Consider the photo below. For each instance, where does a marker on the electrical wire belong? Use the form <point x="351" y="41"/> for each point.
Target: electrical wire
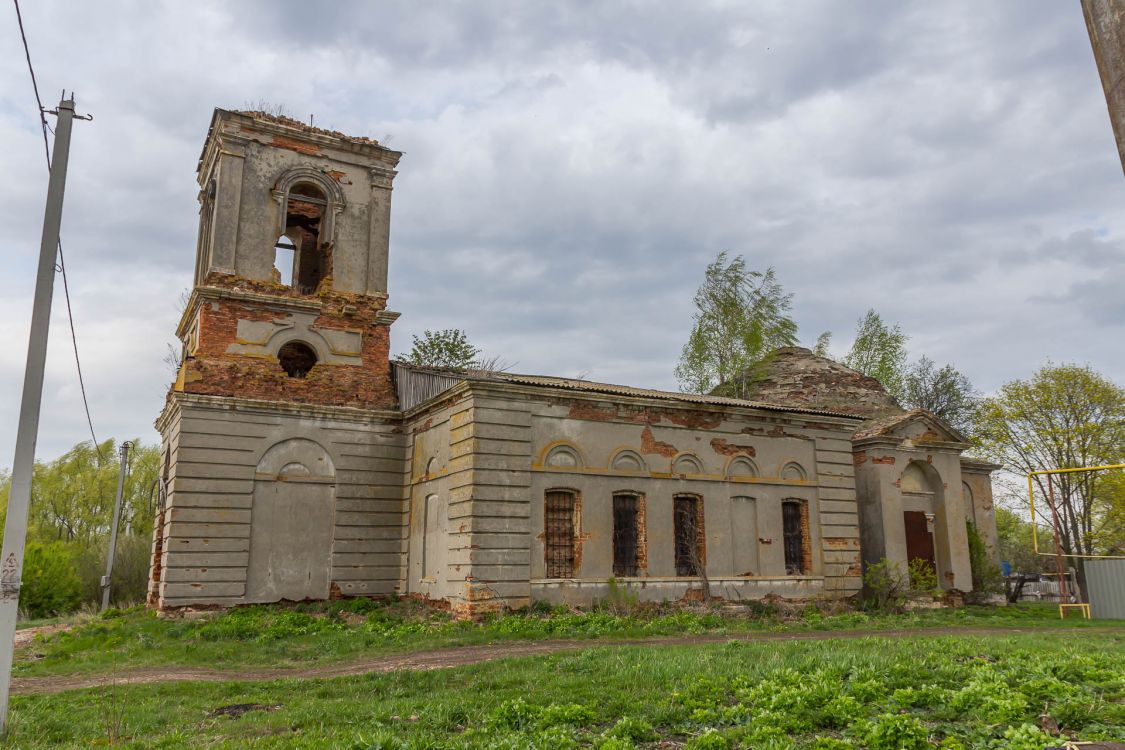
<point x="62" y="263"/>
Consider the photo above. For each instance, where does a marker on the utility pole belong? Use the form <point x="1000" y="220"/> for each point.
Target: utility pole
<point x="15" y="525"/>
<point x="116" y="522"/>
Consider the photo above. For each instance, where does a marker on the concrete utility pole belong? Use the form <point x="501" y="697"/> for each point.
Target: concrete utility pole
<point x="1105" y="20"/>
<point x="15" y="526"/>
<point x="106" y="579"/>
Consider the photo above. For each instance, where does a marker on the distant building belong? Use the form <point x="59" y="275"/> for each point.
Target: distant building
<point x="301" y="464"/>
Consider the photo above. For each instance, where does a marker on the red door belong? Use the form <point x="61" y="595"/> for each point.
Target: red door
<point x="919" y="538"/>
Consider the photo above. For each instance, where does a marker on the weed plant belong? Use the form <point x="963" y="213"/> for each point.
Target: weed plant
<point x="951" y="692"/>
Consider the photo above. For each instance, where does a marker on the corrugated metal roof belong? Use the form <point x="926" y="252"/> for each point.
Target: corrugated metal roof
<point x="586" y="386"/>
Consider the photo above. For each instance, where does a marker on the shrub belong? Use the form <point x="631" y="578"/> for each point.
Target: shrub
<point x="987" y="578"/>
<point x="883" y="586"/>
<point x="50" y="584"/>
<point x="923" y="577"/>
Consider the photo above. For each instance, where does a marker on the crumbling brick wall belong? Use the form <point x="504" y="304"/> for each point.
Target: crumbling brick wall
<point x="212" y="370"/>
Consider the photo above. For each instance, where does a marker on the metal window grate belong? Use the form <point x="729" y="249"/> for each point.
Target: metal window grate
<point x="625" y="535"/>
<point x="560" y="534"/>
<point x="686" y="529"/>
<point x="794" y="538"/>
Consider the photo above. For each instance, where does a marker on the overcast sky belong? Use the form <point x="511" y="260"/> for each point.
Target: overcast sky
<point x="570" y="169"/>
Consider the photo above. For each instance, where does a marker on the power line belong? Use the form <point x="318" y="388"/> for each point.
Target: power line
<point x="62" y="263"/>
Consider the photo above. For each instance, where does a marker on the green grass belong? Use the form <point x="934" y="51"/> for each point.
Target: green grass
<point x="324" y="633"/>
<point x="874" y="693"/>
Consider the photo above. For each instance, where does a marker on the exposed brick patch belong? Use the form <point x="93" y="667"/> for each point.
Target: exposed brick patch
<point x="723" y="448"/>
<point x="859" y="458"/>
<point x="695" y="419"/>
<point x="292" y="144"/>
<point x="211" y="370"/>
<point x="592" y="411"/>
<point x="888" y="460"/>
<point x="642" y="535"/>
<point x="650" y="445"/>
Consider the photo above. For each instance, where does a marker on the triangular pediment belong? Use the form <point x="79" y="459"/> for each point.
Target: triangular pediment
<point x="915" y="427"/>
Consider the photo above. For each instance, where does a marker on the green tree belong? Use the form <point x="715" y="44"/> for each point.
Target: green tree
<point x="879" y="350"/>
<point x="741" y="316"/>
<point x="1015" y="543"/>
<point x="823" y="341"/>
<point x="72" y="509"/>
<point x="945" y="392"/>
<point x="450" y="349"/>
<point x="1064" y="416"/>
<point x="50" y="583"/>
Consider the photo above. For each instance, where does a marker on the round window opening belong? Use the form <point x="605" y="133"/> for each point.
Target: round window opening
<point x="296" y="359"/>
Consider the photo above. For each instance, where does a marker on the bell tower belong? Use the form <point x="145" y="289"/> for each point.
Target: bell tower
<point x="290" y="291"/>
<point x="282" y="447"/>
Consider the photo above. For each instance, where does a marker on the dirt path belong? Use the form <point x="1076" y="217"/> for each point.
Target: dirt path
<point x="463" y="655"/>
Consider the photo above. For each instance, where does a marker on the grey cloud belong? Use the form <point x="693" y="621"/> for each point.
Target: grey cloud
<point x="571" y="167"/>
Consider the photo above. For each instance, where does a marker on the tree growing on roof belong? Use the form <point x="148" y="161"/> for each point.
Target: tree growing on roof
<point x="741" y="316"/>
<point x="943" y="391"/>
<point x="450" y="348"/>
<point x="879" y="350"/>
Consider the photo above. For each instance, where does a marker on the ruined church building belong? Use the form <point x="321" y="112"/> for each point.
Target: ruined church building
<point x="301" y="463"/>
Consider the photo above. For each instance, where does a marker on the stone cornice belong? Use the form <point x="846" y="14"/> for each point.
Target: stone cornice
<point x="846" y="425"/>
<point x="256" y="406"/>
<point x="281" y="303"/>
<point x="979" y="465"/>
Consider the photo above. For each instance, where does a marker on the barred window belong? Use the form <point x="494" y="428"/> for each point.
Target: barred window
<point x="560" y="533"/>
<point x="795" y="530"/>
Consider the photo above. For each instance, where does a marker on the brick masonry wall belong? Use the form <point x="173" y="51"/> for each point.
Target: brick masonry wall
<point x="212" y="371"/>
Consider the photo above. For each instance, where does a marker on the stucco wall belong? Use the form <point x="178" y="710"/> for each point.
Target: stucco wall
<point x="220" y="469"/>
<point x="880" y="464"/>
<point x="504" y="445"/>
<point x="244" y="160"/>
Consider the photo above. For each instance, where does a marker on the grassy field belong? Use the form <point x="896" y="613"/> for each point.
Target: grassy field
<point x="326" y="633"/>
<point x="877" y="693"/>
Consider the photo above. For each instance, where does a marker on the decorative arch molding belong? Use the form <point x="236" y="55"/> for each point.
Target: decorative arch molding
<point x="296" y="459"/>
<point x="742" y="467"/>
<point x="333" y="193"/>
<point x="563" y="456"/>
<point x="628" y="461"/>
<point x="794" y="472"/>
<point x="914" y="479"/>
<point x="687" y="463"/>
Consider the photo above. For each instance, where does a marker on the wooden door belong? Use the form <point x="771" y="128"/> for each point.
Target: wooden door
<point x="919" y="538"/>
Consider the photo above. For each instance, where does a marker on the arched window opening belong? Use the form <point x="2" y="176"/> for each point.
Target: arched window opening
<point x="304" y="215"/>
<point x="296" y="359"/>
<point x="284" y="258"/>
<point x="559" y="521"/>
<point x="795" y="529"/>
<point x="687" y="523"/>
<point x="628" y="534"/>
